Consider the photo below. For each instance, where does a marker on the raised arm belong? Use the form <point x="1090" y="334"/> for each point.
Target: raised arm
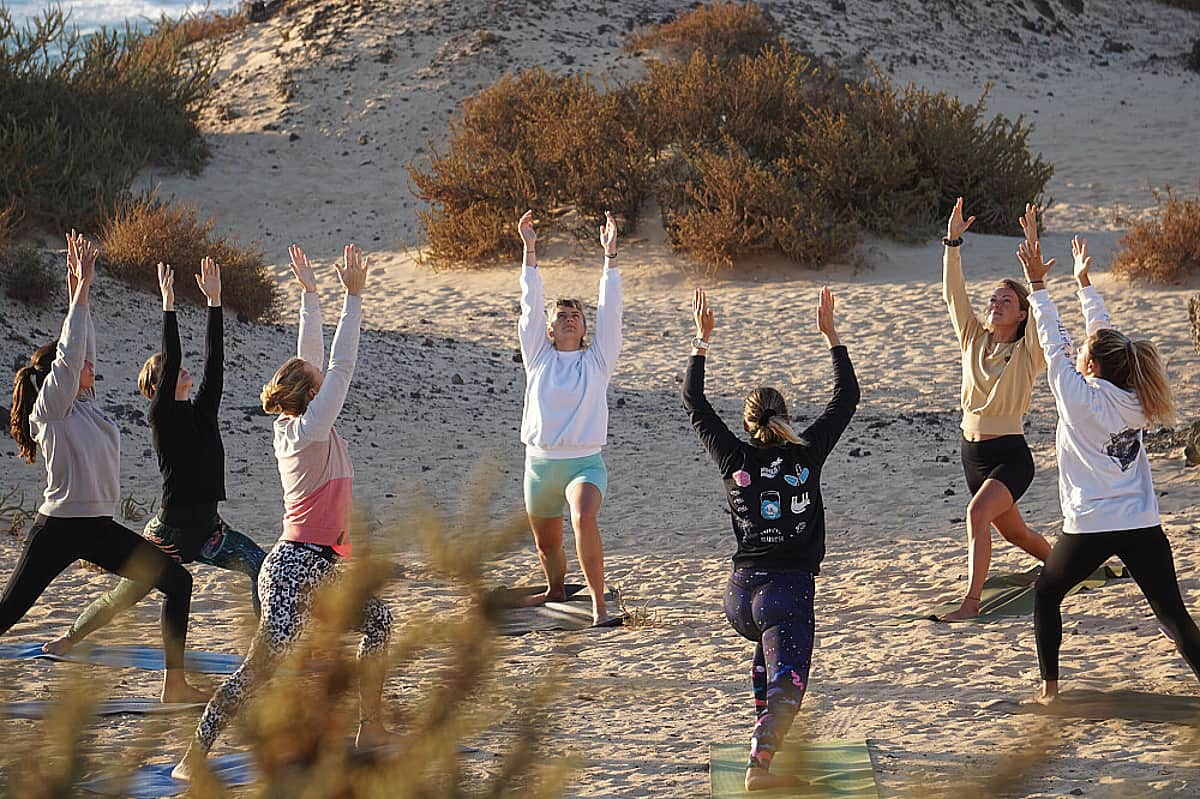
<point x="208" y="396"/>
<point x="310" y="345"/>
<point x="1072" y="394"/>
<point x="1095" y="315"/>
<point x="531" y="328"/>
<point x="317" y="420"/>
<point x="172" y="353"/>
<point x="954" y="285"/>
<point x="823" y="434"/>
<point x="61" y="386"/>
<point x="610" y="306"/>
<point x="722" y="445"/>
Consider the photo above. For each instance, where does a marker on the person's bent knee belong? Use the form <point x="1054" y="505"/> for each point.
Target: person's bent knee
<point x="1049" y="590"/>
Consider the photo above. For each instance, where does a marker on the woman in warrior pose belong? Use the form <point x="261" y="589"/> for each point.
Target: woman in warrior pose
<point x="55" y="412"/>
<point x="191" y="458"/>
<point x="317" y="474"/>
<point x="773" y="485"/>
<point x="1000" y="359"/>
<point x="1112" y="389"/>
<point x="565" y="423"/>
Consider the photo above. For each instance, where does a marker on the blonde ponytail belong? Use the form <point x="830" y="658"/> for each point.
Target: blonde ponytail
<point x="1135" y="366"/>
<point x="290" y="389"/>
<point x="766" y="417"/>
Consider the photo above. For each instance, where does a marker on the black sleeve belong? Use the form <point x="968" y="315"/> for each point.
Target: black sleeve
<point x="723" y="446"/>
<point x="824" y="433"/>
<point x="208" y="396"/>
<point x="172" y="358"/>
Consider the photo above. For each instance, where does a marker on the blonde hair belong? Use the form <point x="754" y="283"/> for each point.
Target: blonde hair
<point x="1134" y="366"/>
<point x="27" y="383"/>
<point x="150" y="375"/>
<point x="1022" y="292"/>
<point x="289" y="390"/>
<point x="765" y="415"/>
<point x="577" y="305"/>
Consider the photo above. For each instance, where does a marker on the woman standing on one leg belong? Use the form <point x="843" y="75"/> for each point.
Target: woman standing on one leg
<point x="773" y="485"/>
<point x="565" y="423"/>
<point x="314" y="465"/>
<point x="1105" y="397"/>
<point x="1000" y="359"/>
<point x="55" y="412"/>
<point x="191" y="457"/>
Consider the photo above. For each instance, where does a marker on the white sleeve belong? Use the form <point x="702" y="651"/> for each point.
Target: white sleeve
<point x="1095" y="315"/>
<point x="1072" y="393"/>
<point x="317" y="420"/>
<point x="531" y="329"/>
<point x="61" y="386"/>
<point x="609" y="309"/>
<point x="311" y="344"/>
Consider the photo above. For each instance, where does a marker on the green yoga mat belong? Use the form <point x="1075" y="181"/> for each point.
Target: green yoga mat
<point x="1007" y="595"/>
<point x="827" y="769"/>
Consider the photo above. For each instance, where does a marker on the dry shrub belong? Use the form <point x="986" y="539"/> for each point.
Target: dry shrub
<point x="199" y="26"/>
<point x="725" y="30"/>
<point x="296" y="726"/>
<point x="140" y="234"/>
<point x="532" y="140"/>
<point x="81" y="115"/>
<point x="26" y="276"/>
<point x="1164" y="248"/>
<point x="746" y="154"/>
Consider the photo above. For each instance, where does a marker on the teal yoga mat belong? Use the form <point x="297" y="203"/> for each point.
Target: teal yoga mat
<point x="1006" y="596"/>
<point x="829" y="769"/>
<point x="154" y="780"/>
<point x="38" y="709"/>
<point x="137" y="657"/>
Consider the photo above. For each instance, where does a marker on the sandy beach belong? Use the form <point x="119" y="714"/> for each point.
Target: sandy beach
<point x="318" y="114"/>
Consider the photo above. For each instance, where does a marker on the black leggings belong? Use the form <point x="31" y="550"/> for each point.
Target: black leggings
<point x="55" y="543"/>
<point x="1147" y="553"/>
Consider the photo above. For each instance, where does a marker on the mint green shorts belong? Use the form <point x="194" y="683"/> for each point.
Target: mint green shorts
<point x="547" y="481"/>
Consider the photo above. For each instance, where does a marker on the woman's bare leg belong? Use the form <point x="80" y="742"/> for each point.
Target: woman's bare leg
<point x="548" y="535"/>
<point x="585" y="499"/>
<point x="1012" y="526"/>
<point x="991" y="501"/>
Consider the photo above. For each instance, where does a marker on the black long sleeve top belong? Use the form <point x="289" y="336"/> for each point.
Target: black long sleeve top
<point x="774" y="493"/>
<point x="186" y="436"/>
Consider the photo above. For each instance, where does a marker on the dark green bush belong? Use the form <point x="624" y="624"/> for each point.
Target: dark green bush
<point x="725" y="30"/>
<point x="1164" y="248"/>
<point x="79" y="116"/>
<point x="746" y="154"/>
<point x="141" y="233"/>
<point x="26" y="275"/>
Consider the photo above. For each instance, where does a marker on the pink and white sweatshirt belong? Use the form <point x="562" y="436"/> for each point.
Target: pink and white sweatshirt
<point x="80" y="444"/>
<point x="314" y="461"/>
<point x="566" y="393"/>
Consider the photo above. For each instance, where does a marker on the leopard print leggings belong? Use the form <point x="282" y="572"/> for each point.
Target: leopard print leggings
<point x="290" y="576"/>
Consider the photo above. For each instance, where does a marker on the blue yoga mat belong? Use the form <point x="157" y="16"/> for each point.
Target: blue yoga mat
<point x="154" y="780"/>
<point x="39" y="709"/>
<point x="137" y="657"/>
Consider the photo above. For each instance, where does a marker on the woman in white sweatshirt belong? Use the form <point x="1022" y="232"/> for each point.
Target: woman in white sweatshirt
<point x="565" y="423"/>
<point x="1106" y="395"/>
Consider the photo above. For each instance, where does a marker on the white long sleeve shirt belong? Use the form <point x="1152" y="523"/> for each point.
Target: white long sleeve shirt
<point x="1104" y="480"/>
<point x="566" y="393"/>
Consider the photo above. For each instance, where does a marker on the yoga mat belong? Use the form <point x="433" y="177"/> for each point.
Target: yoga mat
<point x="574" y="614"/>
<point x="138" y="657"/>
<point x="1005" y="596"/>
<point x="38" y="709"/>
<point x="1095" y="705"/>
<point x="154" y="780"/>
<point x="827" y="769"/>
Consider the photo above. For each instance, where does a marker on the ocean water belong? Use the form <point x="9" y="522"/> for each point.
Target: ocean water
<point x="92" y="14"/>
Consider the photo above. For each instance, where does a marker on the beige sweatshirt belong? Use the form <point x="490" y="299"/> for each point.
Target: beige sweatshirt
<point x="997" y="377"/>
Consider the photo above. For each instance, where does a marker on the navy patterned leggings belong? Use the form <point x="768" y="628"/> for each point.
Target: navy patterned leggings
<point x="775" y="610"/>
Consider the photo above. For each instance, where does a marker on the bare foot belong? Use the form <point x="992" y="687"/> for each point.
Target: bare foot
<point x="177" y="691"/>
<point x="969" y="609"/>
<point x="59" y="646"/>
<point x="373" y="735"/>
<point x="1046" y="695"/>
<point x="599" y="611"/>
<point x="759" y="779"/>
<point x="549" y="595"/>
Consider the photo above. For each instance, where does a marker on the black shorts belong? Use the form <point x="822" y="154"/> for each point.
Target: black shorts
<point x="1006" y="459"/>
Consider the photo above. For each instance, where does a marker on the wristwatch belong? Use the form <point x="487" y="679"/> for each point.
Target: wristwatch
<point x="699" y="343"/>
